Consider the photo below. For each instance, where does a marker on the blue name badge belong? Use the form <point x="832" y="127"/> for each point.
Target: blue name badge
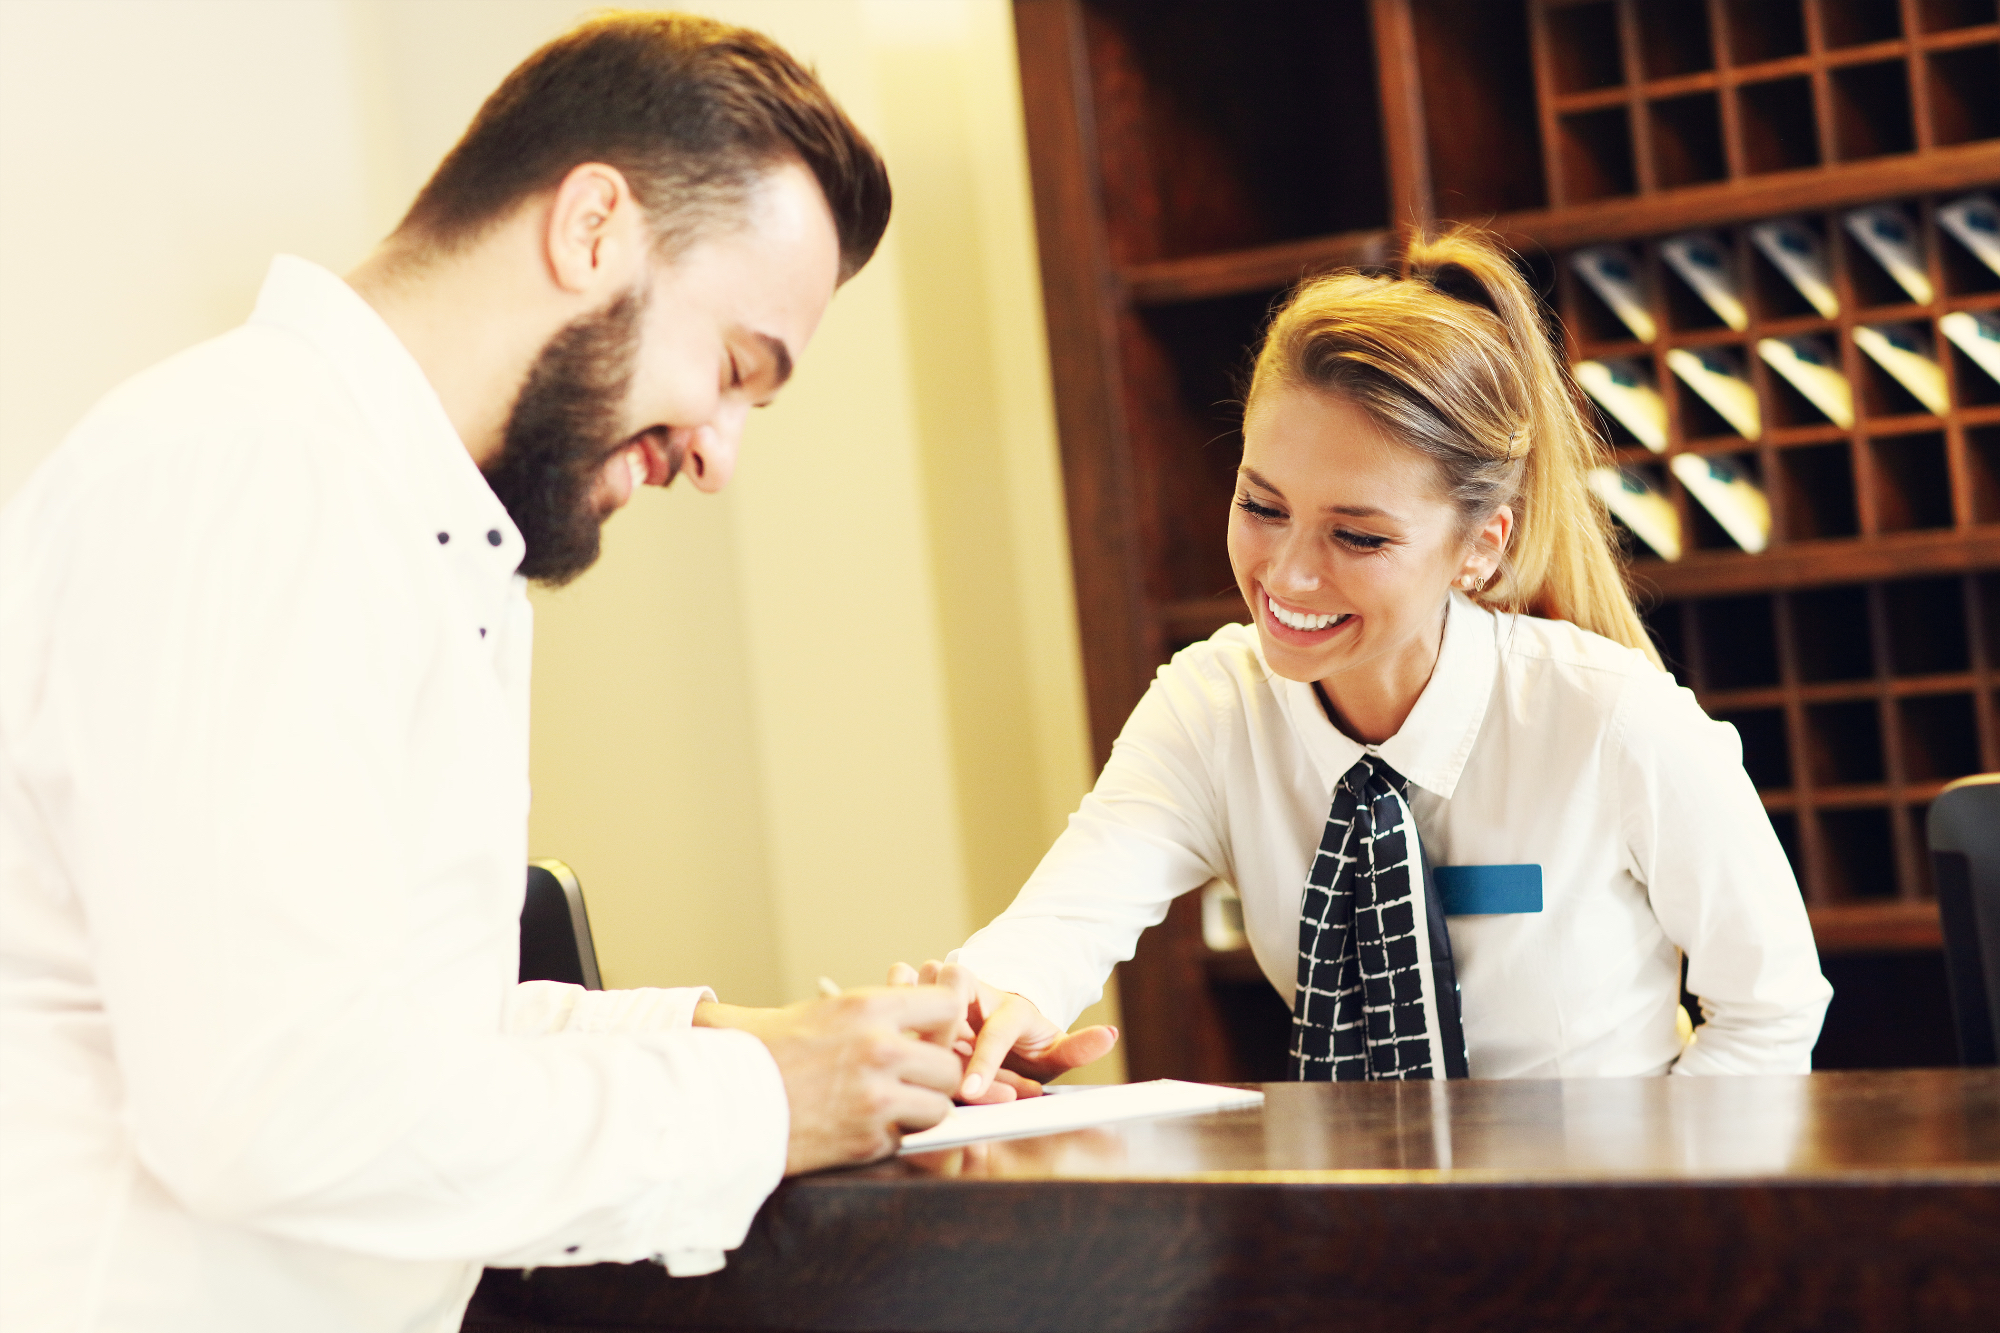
<point x="1489" y="890"/>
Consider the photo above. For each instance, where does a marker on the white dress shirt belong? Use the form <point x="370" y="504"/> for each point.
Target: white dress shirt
<point x="1534" y="743"/>
<point x="263" y="812"/>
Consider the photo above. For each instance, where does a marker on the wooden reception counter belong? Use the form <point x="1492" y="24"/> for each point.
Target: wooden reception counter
<point x="1830" y="1201"/>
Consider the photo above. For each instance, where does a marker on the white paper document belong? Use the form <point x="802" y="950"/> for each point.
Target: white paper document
<point x="1716" y="373"/>
<point x="1079" y="1109"/>
<point x="1887" y="233"/>
<point x="1614" y="275"/>
<point x="1813" y="370"/>
<point x="1975" y="220"/>
<point x="1639" y="505"/>
<point x="1624" y="388"/>
<point x="1700" y="258"/>
<point x="1795" y="250"/>
<point x="1906" y="352"/>
<point x="1727" y="493"/>
<point x="1977" y="335"/>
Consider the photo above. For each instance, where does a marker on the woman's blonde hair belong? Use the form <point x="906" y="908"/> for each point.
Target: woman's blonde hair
<point x="1453" y="360"/>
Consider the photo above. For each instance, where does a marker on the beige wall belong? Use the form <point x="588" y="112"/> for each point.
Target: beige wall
<point x="822" y="722"/>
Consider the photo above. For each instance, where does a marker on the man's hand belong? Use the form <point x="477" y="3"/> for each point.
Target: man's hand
<point x="860" y="1070"/>
<point x="1015" y="1049"/>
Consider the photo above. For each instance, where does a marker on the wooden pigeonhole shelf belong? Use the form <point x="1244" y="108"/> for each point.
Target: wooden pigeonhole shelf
<point x="1191" y="161"/>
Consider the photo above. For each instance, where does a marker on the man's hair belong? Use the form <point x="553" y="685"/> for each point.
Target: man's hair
<point x="690" y="111"/>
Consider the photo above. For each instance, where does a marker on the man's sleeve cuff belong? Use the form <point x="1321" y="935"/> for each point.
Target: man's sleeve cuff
<point x="731" y="1145"/>
<point x="642" y="1009"/>
<point x="715" y="1150"/>
<point x="538" y="1007"/>
<point x="749" y="1133"/>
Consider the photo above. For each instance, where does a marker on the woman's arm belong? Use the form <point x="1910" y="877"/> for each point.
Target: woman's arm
<point x="1720" y="885"/>
<point x="1149" y="830"/>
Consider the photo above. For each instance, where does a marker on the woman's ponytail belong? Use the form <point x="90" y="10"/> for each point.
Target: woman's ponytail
<point x="1454" y="359"/>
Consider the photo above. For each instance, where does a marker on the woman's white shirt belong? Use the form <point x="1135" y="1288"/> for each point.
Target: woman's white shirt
<point x="1534" y="743"/>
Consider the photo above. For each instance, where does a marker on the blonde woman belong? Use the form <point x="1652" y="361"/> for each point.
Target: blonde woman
<point x="1474" y="824"/>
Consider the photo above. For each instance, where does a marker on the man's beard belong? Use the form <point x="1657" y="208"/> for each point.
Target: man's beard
<point x="561" y="433"/>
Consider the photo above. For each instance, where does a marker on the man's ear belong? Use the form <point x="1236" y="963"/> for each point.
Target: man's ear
<point x="595" y="234"/>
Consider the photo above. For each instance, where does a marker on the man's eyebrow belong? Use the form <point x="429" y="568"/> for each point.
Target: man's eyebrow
<point x="781" y="358"/>
<point x="1257" y="479"/>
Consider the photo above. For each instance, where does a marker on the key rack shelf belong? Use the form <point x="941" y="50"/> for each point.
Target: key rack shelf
<point x="1192" y="161"/>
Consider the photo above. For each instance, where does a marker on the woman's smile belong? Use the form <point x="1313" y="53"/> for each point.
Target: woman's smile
<point x="1296" y="625"/>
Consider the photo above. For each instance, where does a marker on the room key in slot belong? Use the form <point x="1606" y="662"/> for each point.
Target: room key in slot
<point x="1640" y="506"/>
<point x="1717" y="375"/>
<point x="1978" y="336"/>
<point x="1794" y="250"/>
<point x="1625" y="390"/>
<point x="1906" y="352"/>
<point x="1727" y="493"/>
<point x="1808" y="363"/>
<point x="1613" y="274"/>
<point x="1702" y="261"/>
<point x="1887" y="233"/>
<point x="1975" y="221"/>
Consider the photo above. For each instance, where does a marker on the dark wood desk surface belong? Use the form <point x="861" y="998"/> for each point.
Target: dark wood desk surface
<point x="1823" y="1202"/>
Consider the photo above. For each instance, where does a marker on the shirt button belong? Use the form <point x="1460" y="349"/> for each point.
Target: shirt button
<point x="443" y="537"/>
<point x="482" y="631"/>
<point x="493" y="536"/>
<point x="572" y="1249"/>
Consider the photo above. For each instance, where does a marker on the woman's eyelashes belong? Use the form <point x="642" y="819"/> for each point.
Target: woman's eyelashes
<point x="1354" y="541"/>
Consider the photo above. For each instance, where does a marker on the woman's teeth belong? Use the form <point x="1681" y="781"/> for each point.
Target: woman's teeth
<point x="635" y="462"/>
<point x="1291" y="621"/>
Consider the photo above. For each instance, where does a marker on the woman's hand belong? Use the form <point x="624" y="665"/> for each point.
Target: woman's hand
<point x="1010" y="1048"/>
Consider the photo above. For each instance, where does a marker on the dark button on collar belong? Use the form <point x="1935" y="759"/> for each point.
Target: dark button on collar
<point x="493" y="536"/>
<point x="482" y="631"/>
<point x="443" y="537"/>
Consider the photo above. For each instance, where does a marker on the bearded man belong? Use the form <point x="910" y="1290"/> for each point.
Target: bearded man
<point x="264" y="650"/>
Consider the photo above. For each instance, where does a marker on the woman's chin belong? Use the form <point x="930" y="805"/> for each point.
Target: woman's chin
<point x="1304" y="663"/>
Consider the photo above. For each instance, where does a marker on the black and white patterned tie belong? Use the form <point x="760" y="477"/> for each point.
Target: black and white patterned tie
<point x="1377" y="994"/>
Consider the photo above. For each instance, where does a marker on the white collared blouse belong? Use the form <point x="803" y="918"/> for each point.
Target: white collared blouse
<point x="1534" y="743"/>
<point x="263" y="837"/>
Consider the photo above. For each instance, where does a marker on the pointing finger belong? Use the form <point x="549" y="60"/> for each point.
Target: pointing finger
<point x="996" y="1041"/>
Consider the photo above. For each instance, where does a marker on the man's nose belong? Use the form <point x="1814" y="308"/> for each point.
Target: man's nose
<point x="711" y="453"/>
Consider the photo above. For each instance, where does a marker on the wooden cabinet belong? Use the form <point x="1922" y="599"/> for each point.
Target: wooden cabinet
<point x="1192" y="159"/>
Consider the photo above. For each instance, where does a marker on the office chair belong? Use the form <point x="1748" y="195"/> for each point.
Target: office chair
<point x="555" y="930"/>
<point x="1964" y="829"/>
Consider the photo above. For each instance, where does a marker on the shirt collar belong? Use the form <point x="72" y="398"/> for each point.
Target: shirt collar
<point x="1437" y="738"/>
<point x="402" y="408"/>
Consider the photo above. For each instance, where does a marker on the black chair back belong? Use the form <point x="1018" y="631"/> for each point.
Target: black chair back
<point x="555" y="930"/>
<point x="1964" y="831"/>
